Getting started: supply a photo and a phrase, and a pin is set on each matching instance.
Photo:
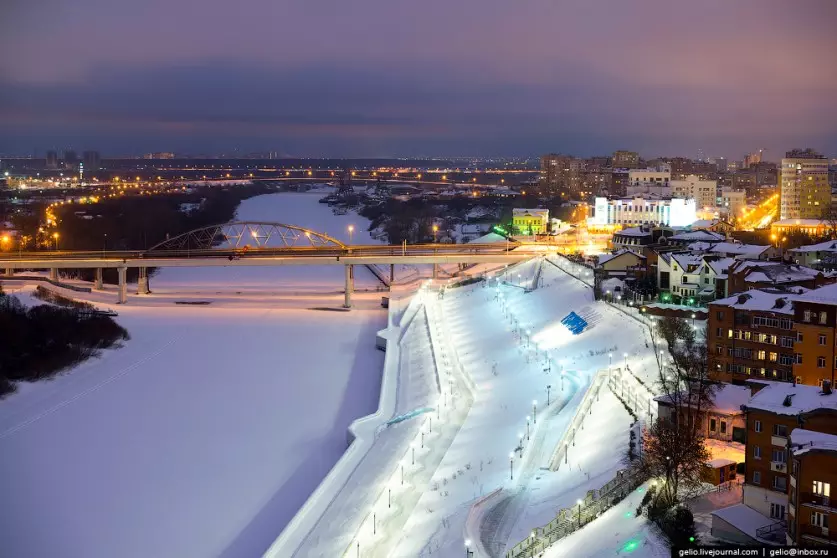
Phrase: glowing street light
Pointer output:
(435, 230)
(351, 230)
(468, 552)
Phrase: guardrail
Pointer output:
(574, 518)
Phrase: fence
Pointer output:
(584, 408)
(573, 518)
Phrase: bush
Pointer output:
(52, 297)
(678, 523)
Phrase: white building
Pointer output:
(649, 181)
(732, 201)
(639, 211)
(704, 192)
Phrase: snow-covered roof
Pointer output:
(729, 248)
(607, 257)
(686, 260)
(824, 295)
(727, 399)
(799, 398)
(719, 266)
(704, 223)
(744, 518)
(635, 231)
(759, 299)
(775, 272)
(718, 463)
(698, 235)
(827, 246)
(808, 440)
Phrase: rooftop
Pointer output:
(783, 398)
(729, 248)
(636, 231)
(761, 299)
(607, 257)
(824, 295)
(708, 236)
(728, 399)
(808, 440)
(827, 246)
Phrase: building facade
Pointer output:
(625, 159)
(530, 221)
(803, 179)
(639, 211)
(704, 192)
(560, 173)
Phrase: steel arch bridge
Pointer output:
(247, 234)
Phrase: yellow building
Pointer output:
(530, 221)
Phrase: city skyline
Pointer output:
(375, 79)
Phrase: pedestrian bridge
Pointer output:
(255, 243)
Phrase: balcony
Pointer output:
(780, 441)
(813, 499)
(778, 467)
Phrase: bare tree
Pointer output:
(673, 446)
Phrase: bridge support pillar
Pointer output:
(435, 271)
(350, 286)
(123, 284)
(391, 274)
(10, 271)
(53, 273)
(142, 282)
(99, 282)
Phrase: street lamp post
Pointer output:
(55, 237)
(609, 361)
(468, 552)
(562, 381)
(527, 428)
(626, 360)
(402, 471)
(566, 452)
(579, 512)
(535, 411)
(511, 466)
(389, 497)
(413, 447)
(548, 387)
(435, 230)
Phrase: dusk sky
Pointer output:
(430, 78)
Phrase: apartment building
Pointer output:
(815, 320)
(704, 192)
(751, 335)
(803, 180)
(790, 462)
(811, 511)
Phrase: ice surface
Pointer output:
(203, 435)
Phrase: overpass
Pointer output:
(253, 243)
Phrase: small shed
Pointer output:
(718, 471)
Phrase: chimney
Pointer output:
(826, 387)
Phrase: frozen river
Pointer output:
(207, 431)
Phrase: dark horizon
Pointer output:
(371, 79)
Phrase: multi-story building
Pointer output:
(639, 211)
(751, 335)
(704, 192)
(92, 161)
(561, 174)
(732, 201)
(813, 471)
(70, 159)
(649, 181)
(803, 179)
(815, 318)
(790, 462)
(745, 275)
(625, 159)
(51, 160)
